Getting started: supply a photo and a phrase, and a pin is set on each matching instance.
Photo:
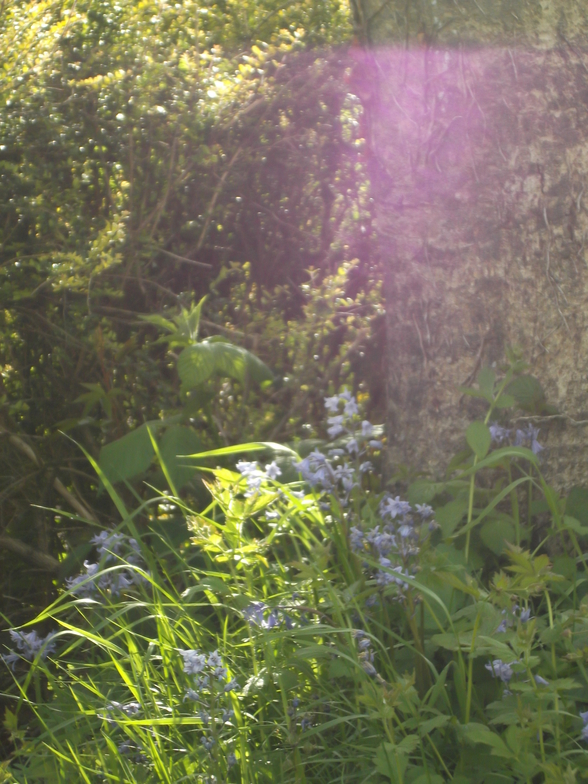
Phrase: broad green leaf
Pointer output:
(528, 393)
(451, 515)
(574, 525)
(422, 491)
(505, 401)
(435, 723)
(179, 440)
(196, 364)
(479, 438)
(479, 733)
(577, 503)
(390, 762)
(130, 455)
(496, 533)
(486, 379)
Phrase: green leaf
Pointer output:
(505, 401)
(130, 455)
(479, 438)
(435, 723)
(422, 491)
(451, 515)
(196, 364)
(577, 503)
(574, 525)
(496, 533)
(390, 763)
(179, 440)
(528, 393)
(486, 379)
(479, 733)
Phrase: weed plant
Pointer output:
(316, 629)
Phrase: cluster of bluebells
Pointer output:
(516, 614)
(366, 654)
(333, 473)
(504, 672)
(517, 437)
(28, 646)
(259, 614)
(396, 541)
(113, 549)
(210, 692)
(255, 476)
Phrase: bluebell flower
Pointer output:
(29, 645)
(335, 426)
(525, 615)
(272, 471)
(194, 662)
(500, 669)
(364, 644)
(498, 434)
(369, 668)
(305, 724)
(366, 467)
(109, 543)
(584, 717)
(352, 447)
(540, 681)
(214, 660)
(356, 539)
(232, 685)
(204, 716)
(254, 613)
(367, 429)
(208, 743)
(375, 444)
(425, 511)
(393, 507)
(84, 584)
(231, 759)
(502, 627)
(191, 695)
(271, 514)
(351, 408)
(129, 708)
(227, 715)
(332, 403)
(529, 435)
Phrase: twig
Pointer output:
(23, 447)
(44, 561)
(539, 418)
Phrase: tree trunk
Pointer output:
(478, 161)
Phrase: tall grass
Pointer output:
(356, 641)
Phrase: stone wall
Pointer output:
(478, 162)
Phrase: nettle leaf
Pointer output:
(479, 438)
(130, 455)
(196, 364)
